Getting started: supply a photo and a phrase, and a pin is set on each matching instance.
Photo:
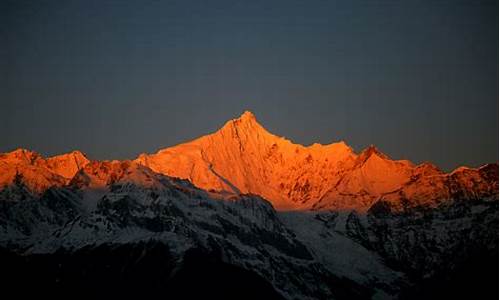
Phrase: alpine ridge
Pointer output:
(242, 157)
(38, 173)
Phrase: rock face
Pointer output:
(66, 165)
(446, 251)
(243, 157)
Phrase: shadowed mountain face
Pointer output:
(200, 220)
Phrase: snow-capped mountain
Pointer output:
(243, 213)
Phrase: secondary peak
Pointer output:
(368, 152)
(23, 154)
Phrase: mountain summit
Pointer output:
(243, 157)
(247, 116)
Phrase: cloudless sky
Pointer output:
(419, 79)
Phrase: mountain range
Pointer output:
(244, 158)
(244, 213)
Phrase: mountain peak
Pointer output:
(78, 153)
(22, 151)
(246, 117)
(369, 152)
(66, 165)
(22, 155)
(246, 122)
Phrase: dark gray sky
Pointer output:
(419, 79)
